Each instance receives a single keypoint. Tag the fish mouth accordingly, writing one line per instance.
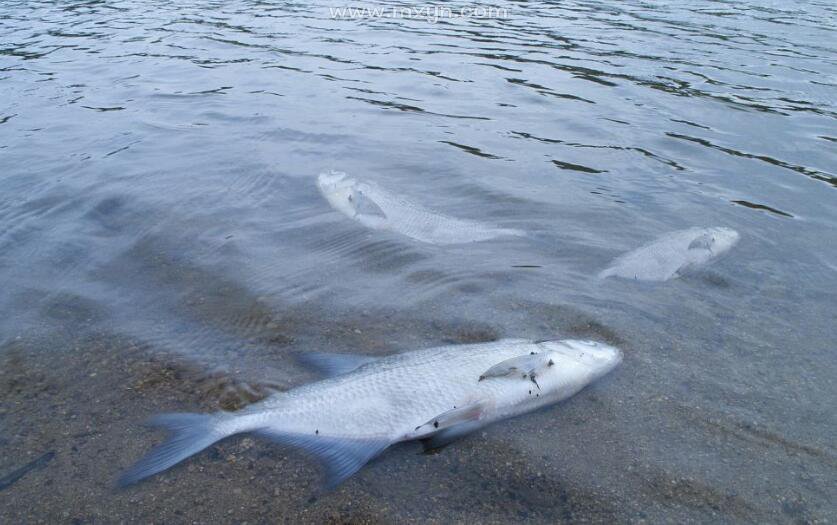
(333, 179)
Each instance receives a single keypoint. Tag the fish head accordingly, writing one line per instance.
(722, 239)
(340, 190)
(587, 360)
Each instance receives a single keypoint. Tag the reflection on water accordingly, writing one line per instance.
(159, 163)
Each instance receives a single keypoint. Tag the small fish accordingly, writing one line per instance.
(36, 464)
(433, 395)
(673, 254)
(378, 209)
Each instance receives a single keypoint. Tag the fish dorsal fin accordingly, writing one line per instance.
(524, 365)
(340, 457)
(330, 365)
(364, 205)
(451, 425)
(702, 242)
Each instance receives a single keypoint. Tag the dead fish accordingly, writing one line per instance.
(378, 209)
(673, 254)
(367, 404)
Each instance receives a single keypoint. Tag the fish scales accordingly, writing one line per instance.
(435, 395)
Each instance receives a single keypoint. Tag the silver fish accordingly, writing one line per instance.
(378, 209)
(673, 254)
(435, 395)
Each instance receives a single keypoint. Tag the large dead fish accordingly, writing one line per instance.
(673, 254)
(378, 209)
(435, 395)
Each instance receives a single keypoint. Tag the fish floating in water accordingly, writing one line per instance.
(435, 395)
(673, 254)
(378, 209)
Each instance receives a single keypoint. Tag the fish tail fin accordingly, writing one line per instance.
(189, 434)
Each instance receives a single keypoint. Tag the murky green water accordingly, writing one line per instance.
(163, 246)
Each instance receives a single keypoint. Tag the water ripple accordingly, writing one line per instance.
(158, 163)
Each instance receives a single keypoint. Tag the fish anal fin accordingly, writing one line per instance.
(330, 365)
(340, 457)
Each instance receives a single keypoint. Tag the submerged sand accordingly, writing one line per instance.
(72, 404)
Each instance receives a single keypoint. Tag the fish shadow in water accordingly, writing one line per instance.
(707, 277)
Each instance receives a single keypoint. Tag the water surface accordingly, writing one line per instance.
(163, 246)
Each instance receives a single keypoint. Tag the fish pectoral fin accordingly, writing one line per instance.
(703, 242)
(340, 457)
(366, 206)
(455, 416)
(523, 364)
(330, 365)
(448, 435)
(452, 425)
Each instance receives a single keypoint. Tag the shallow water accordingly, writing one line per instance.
(159, 211)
